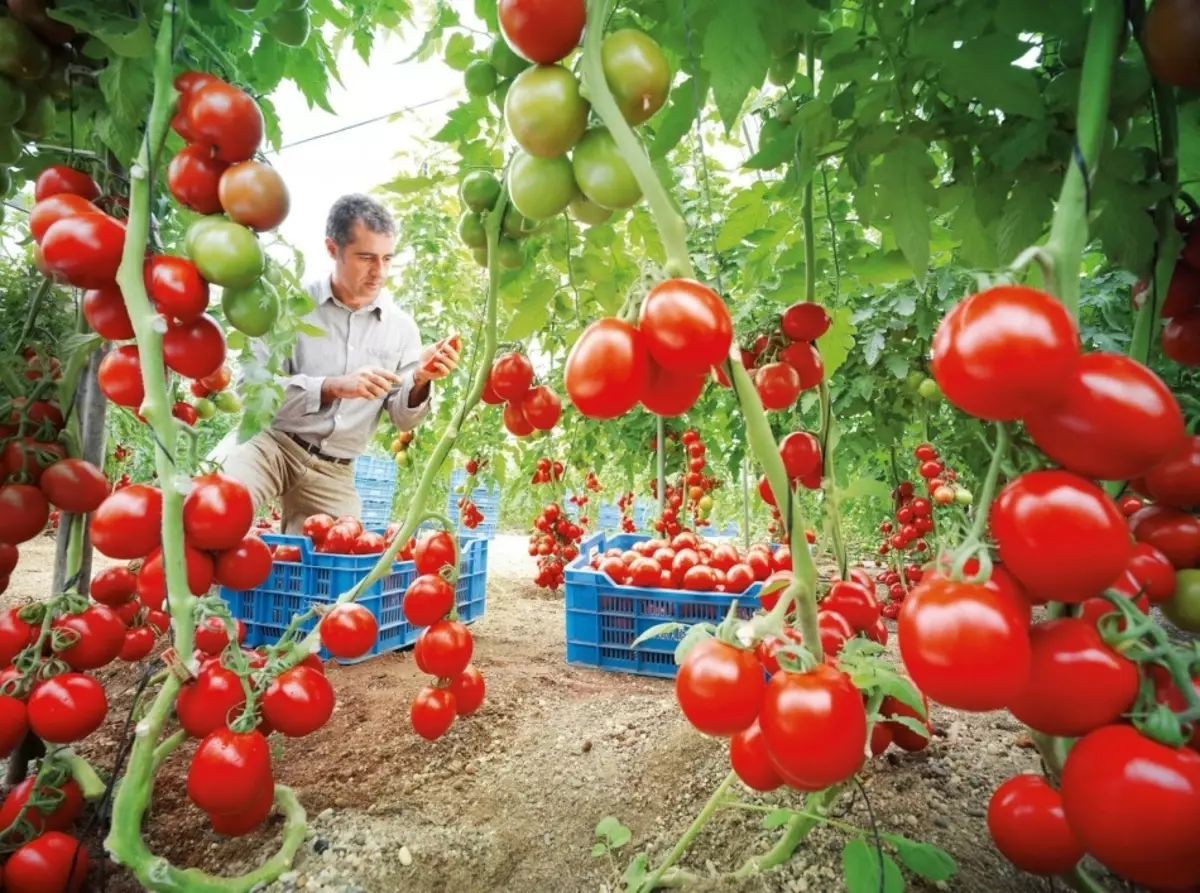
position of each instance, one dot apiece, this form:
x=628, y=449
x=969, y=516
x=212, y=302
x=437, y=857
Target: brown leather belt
x=313, y=451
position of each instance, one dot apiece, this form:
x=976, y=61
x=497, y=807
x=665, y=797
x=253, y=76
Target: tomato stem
x=1078, y=879
x=983, y=507
x=816, y=805
x=671, y=226
x=745, y=503
x=710, y=809
x=90, y=783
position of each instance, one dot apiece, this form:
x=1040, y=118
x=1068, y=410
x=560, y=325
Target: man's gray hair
x=349, y=208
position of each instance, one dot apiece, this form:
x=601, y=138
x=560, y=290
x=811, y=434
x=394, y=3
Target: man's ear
x=331, y=247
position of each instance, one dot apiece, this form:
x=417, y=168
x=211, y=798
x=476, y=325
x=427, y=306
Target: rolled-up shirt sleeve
x=301, y=393
x=403, y=416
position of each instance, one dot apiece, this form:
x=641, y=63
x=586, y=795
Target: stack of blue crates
x=487, y=500
x=375, y=481
x=609, y=516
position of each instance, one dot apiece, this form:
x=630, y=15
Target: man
x=368, y=360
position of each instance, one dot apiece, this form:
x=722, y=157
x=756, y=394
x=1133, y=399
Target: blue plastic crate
x=376, y=512
x=375, y=468
x=294, y=587
x=372, y=489
x=604, y=618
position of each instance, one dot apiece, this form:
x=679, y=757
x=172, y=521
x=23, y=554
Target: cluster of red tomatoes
x=898, y=583
x=694, y=484
x=469, y=512
x=1013, y=353
x=786, y=362
x=555, y=542
x=547, y=471
x=1181, y=308
x=444, y=648
x=526, y=408
x=686, y=561
x=625, y=505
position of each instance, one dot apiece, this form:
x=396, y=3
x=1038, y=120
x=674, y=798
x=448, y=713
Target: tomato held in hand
x=719, y=687
x=608, y=369
x=543, y=31
x=298, y=702
x=433, y=712
x=749, y=758
x=1025, y=818
x=686, y=326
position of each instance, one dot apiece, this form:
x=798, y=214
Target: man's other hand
x=368, y=383
x=437, y=362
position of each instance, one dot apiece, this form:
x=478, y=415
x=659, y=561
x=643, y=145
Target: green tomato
x=706, y=503
x=471, y=231
x=22, y=54
x=273, y=273
x=500, y=94
x=637, y=73
x=205, y=408
x=290, y=27
x=480, y=78
x=1183, y=608
x=507, y=63
x=540, y=188
x=228, y=254
x=929, y=389
x=481, y=256
x=601, y=172
x=772, y=128
x=785, y=110
x=227, y=401
x=545, y=112
x=252, y=309
x=402, y=458
x=479, y=191
x=514, y=225
x=1131, y=83
x=963, y=496
x=588, y=212
x=196, y=228
x=784, y=42
x=38, y=121
x=12, y=102
x=914, y=379
x=782, y=71
x=509, y=254
x=11, y=146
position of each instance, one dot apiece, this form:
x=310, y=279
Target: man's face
x=361, y=267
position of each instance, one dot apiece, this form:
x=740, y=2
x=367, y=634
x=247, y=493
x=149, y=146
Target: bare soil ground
x=509, y=799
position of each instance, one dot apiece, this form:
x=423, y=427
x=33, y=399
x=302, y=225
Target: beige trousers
x=273, y=466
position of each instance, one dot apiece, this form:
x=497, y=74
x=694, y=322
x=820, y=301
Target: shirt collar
x=327, y=295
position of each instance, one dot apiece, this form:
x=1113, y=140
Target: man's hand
x=437, y=361
x=368, y=383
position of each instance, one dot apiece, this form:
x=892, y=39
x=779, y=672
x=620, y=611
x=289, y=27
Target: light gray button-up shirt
x=380, y=334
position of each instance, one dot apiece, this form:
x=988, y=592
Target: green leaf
x=817, y=129
x=749, y=212
x=1124, y=228
x=1026, y=214
x=674, y=122
x=860, y=862
x=923, y=859
x=779, y=148
x=865, y=488
x=1059, y=19
x=128, y=87
x=444, y=17
x=697, y=633
x=403, y=185
x=736, y=55
x=460, y=51
x=599, y=849
x=983, y=70
x=1029, y=139
x=461, y=124
x=896, y=686
x=486, y=10
x=978, y=247
x=619, y=838
x=126, y=35
x=635, y=874
x=913, y=725
x=904, y=196
x=835, y=345
x=607, y=825
x=659, y=630
x=896, y=364
x=777, y=819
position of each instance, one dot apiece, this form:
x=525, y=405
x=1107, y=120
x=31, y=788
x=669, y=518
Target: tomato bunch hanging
x=527, y=407
x=555, y=542
x=785, y=362
x=1180, y=309
x=694, y=484
x=547, y=471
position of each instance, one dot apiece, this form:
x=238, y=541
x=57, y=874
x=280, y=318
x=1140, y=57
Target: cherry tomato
x=468, y=690
x=542, y=408
x=686, y=326
x=194, y=177
x=608, y=369
x=433, y=552
x=445, y=648
x=427, y=600
x=1026, y=820
x=749, y=758
x=719, y=687
x=59, y=178
x=1173, y=532
x=805, y=321
x=1153, y=571
x=801, y=454
x=104, y=310
x=120, y=376
x=433, y=712
x=806, y=360
x=511, y=376
x=229, y=771
x=515, y=421
x=195, y=349
x=67, y=708
x=543, y=31
x=298, y=702
x=218, y=512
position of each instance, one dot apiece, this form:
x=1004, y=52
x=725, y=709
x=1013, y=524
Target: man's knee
x=255, y=464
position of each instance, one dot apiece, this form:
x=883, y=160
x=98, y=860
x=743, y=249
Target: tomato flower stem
x=709, y=810
x=670, y=224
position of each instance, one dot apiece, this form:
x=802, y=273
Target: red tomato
x=515, y=421
x=854, y=602
x=801, y=454
x=1153, y=571
x=84, y=250
x=298, y=702
x=807, y=362
x=749, y=758
x=58, y=179
x=14, y=724
x=906, y=738
x=738, y=578
x=542, y=408
x=99, y=635
x=104, y=309
x=194, y=178
x=646, y=572
x=542, y=31
x=23, y=513
x=1134, y=805
x=445, y=648
x=152, y=582
x=54, y=861
x=687, y=327
x=195, y=349
x=719, y=687
x=75, y=485
x=669, y=393
x=112, y=586
x=137, y=644
x=209, y=702
x=608, y=369
x=759, y=563
x=616, y=570
x=700, y=578
x=243, y=821
x=468, y=690
x=814, y=726
x=226, y=120
x=511, y=376
x=1175, y=481
x=187, y=84
x=432, y=713
x=427, y=600
x=349, y=631
x=805, y=321
x=287, y=553
x=1025, y=818
x=835, y=630
x=229, y=771
x=245, y=566
x=1167, y=692
x=120, y=376
x=49, y=211
x=176, y=288
x=1005, y=353
x=1061, y=536
x=964, y=646
x=1173, y=532
x=212, y=635
x=1181, y=339
x=46, y=817
x=433, y=552
x=317, y=527
x=67, y=708
x=778, y=385
x=218, y=512
x=128, y=523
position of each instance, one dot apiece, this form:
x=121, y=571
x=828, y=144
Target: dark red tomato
x=75, y=485
x=778, y=385
x=835, y=630
x=1061, y=536
x=515, y=421
x=54, y=861
x=1153, y=571
x=317, y=527
x=433, y=552
x=99, y=635
x=489, y=396
x=298, y=702
x=112, y=586
x=59, y=817
x=287, y=553
x=1173, y=532
x=128, y=612
x=1006, y=352
x=195, y=349
x=229, y=770
x=209, y=702
x=212, y=634
x=738, y=578
x=854, y=602
x=14, y=723
x=1167, y=692
x=23, y=513
x=616, y=570
x=194, y=178
x=120, y=376
x=668, y=393
x=186, y=413
x=1181, y=339
x=176, y=288
x=1175, y=481
x=104, y=310
x=226, y=120
x=700, y=578
x=340, y=540
x=1134, y=805
x=433, y=712
x=543, y=31
x=67, y=708
x=814, y=726
x=801, y=454
x=243, y=821
x=719, y=687
x=805, y=321
x=58, y=179
x=1076, y=682
x=187, y=84
x=907, y=739
x=468, y=690
x=1026, y=820
x=646, y=572
x=542, y=408
x=159, y=621
x=760, y=563
x=879, y=631
x=1130, y=505
x=749, y=758
x=24, y=459
x=245, y=566
x=608, y=369
x=152, y=582
x=1117, y=421
x=49, y=211
x=964, y=646
x=687, y=327
x=881, y=738
x=8, y=559
x=511, y=376
x=427, y=600
x=806, y=360
x=137, y=644
x=860, y=576
x=218, y=512
x=445, y=648
x=84, y=250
